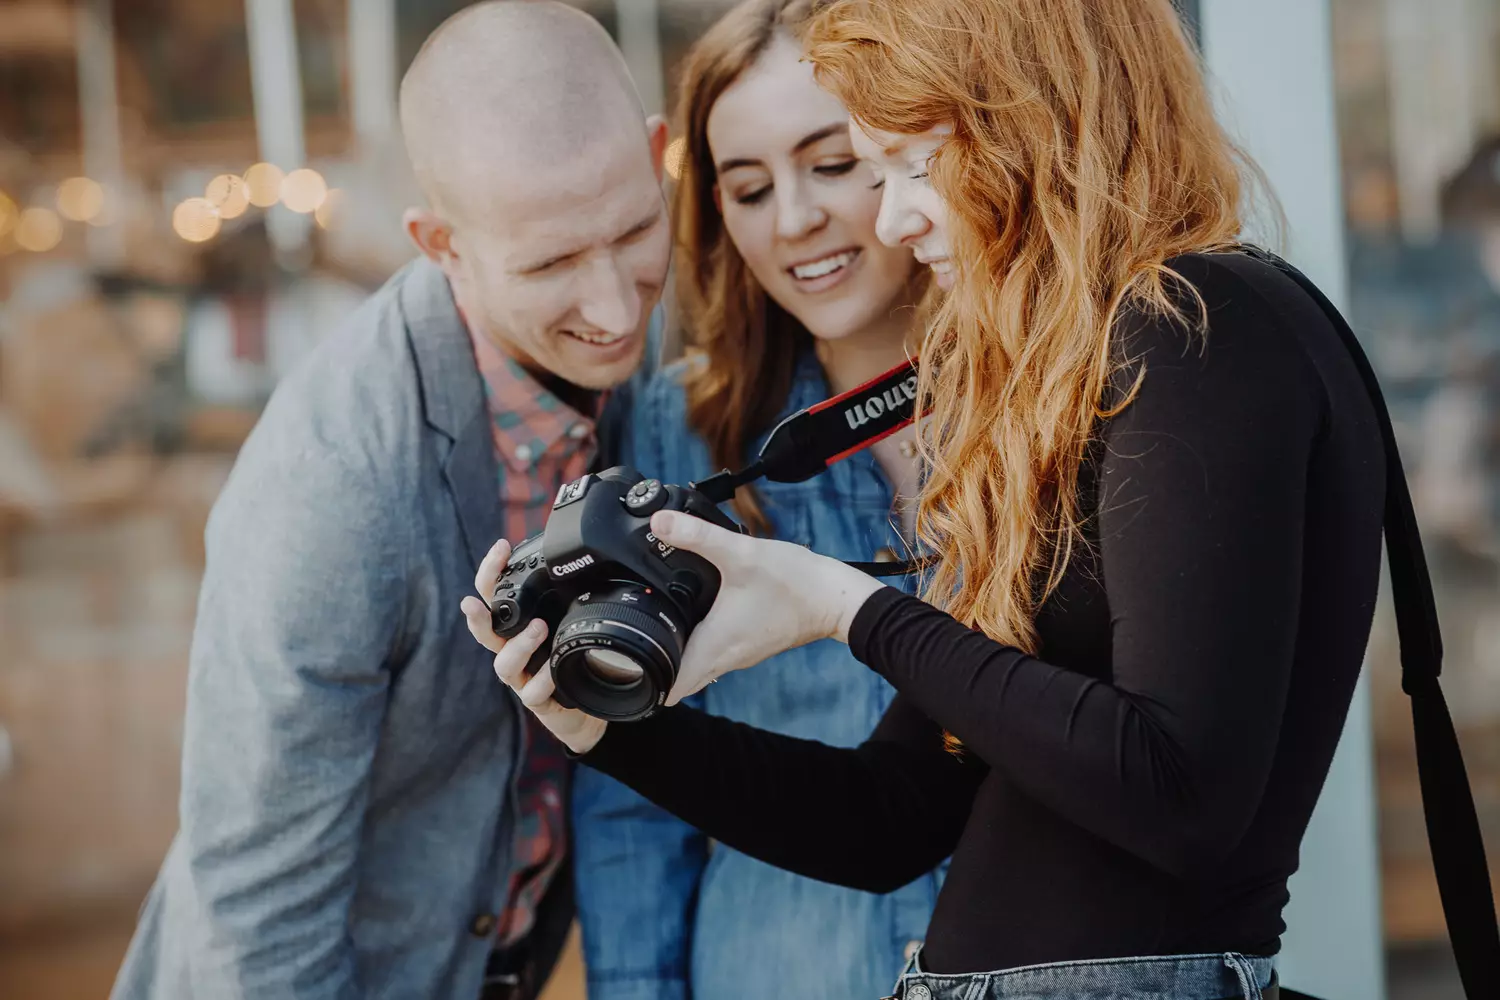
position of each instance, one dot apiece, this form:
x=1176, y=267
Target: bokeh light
x=8, y=213
x=80, y=199
x=263, y=182
x=196, y=220
x=675, y=154
x=329, y=212
x=229, y=194
x=303, y=190
x=38, y=230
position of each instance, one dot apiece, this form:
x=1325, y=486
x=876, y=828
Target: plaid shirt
x=540, y=443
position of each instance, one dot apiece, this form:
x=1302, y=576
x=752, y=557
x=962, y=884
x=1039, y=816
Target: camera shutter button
x=646, y=498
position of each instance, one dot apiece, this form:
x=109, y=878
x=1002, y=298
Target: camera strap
x=812, y=439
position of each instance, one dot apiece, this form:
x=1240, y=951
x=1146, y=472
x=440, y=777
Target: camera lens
x=617, y=651
x=611, y=667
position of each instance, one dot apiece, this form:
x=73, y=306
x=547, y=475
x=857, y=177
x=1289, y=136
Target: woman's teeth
x=826, y=266
x=599, y=339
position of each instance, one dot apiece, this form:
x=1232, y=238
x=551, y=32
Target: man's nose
x=611, y=302
x=898, y=222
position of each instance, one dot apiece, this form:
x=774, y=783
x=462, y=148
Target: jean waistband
x=1169, y=977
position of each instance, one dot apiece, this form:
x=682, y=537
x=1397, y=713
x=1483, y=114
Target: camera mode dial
x=646, y=497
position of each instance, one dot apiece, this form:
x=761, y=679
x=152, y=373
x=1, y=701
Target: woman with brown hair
x=1154, y=492
x=787, y=296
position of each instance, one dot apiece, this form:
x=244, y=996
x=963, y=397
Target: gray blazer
x=349, y=759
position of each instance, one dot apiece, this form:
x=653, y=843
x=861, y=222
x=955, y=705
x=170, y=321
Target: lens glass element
x=613, y=667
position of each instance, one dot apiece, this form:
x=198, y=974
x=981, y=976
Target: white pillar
x=1271, y=64
x=99, y=109
x=638, y=27
x=276, y=84
x=372, y=70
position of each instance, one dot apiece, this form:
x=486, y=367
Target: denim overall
x=1227, y=976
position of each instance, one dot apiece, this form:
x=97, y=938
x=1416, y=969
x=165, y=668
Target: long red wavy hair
x=1084, y=155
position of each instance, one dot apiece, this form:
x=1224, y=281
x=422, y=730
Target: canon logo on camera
x=879, y=405
x=573, y=566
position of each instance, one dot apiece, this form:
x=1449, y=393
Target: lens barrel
x=617, y=651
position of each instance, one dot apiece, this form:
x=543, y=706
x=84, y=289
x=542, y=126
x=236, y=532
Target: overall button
x=919, y=992
x=886, y=554
x=483, y=925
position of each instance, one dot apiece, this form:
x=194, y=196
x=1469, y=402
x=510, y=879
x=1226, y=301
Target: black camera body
x=618, y=602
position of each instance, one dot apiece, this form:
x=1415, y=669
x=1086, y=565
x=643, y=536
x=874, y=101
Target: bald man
x=364, y=811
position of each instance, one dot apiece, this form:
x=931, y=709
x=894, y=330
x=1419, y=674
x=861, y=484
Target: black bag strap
x=1458, y=856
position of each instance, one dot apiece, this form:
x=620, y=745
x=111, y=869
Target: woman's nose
x=899, y=222
x=797, y=213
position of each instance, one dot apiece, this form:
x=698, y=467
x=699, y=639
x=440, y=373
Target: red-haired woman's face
x=912, y=215
x=797, y=204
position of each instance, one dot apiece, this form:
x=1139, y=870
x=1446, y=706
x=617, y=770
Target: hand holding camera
x=611, y=612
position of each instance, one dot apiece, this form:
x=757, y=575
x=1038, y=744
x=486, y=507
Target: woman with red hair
x=1153, y=494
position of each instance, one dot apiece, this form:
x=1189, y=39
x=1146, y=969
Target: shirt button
x=910, y=951
x=483, y=925
x=886, y=554
x=578, y=431
x=523, y=452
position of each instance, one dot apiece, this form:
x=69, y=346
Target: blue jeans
x=1177, y=977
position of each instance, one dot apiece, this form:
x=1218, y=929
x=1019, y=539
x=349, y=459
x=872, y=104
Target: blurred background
x=191, y=193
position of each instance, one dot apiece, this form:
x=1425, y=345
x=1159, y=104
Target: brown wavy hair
x=743, y=345
x=1084, y=154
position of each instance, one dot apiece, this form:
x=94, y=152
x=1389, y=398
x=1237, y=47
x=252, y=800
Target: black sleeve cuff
x=870, y=623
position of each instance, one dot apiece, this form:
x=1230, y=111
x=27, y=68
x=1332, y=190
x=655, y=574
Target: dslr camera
x=618, y=602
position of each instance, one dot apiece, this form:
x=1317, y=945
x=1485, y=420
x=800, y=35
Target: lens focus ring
x=597, y=639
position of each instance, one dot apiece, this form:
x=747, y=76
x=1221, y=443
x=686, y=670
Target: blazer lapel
x=453, y=400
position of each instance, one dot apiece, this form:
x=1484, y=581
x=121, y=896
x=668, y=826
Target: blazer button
x=886, y=554
x=483, y=925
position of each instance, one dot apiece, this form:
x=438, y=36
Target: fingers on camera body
x=490, y=568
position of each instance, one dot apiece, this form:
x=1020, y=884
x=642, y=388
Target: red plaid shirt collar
x=528, y=420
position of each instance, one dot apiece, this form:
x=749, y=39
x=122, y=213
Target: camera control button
x=646, y=497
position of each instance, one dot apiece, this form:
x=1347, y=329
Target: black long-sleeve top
x=1141, y=785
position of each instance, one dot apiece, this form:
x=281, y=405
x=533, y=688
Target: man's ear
x=656, y=132
x=432, y=235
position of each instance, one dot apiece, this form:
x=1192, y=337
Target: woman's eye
x=836, y=169
x=920, y=177
x=753, y=197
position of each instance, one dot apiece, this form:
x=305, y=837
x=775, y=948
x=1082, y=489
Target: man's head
x=543, y=185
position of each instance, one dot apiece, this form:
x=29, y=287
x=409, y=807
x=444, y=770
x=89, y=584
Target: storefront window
x=1418, y=91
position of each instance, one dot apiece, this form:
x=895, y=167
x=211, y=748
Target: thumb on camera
x=693, y=534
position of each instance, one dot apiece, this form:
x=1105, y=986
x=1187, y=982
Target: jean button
x=919, y=992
